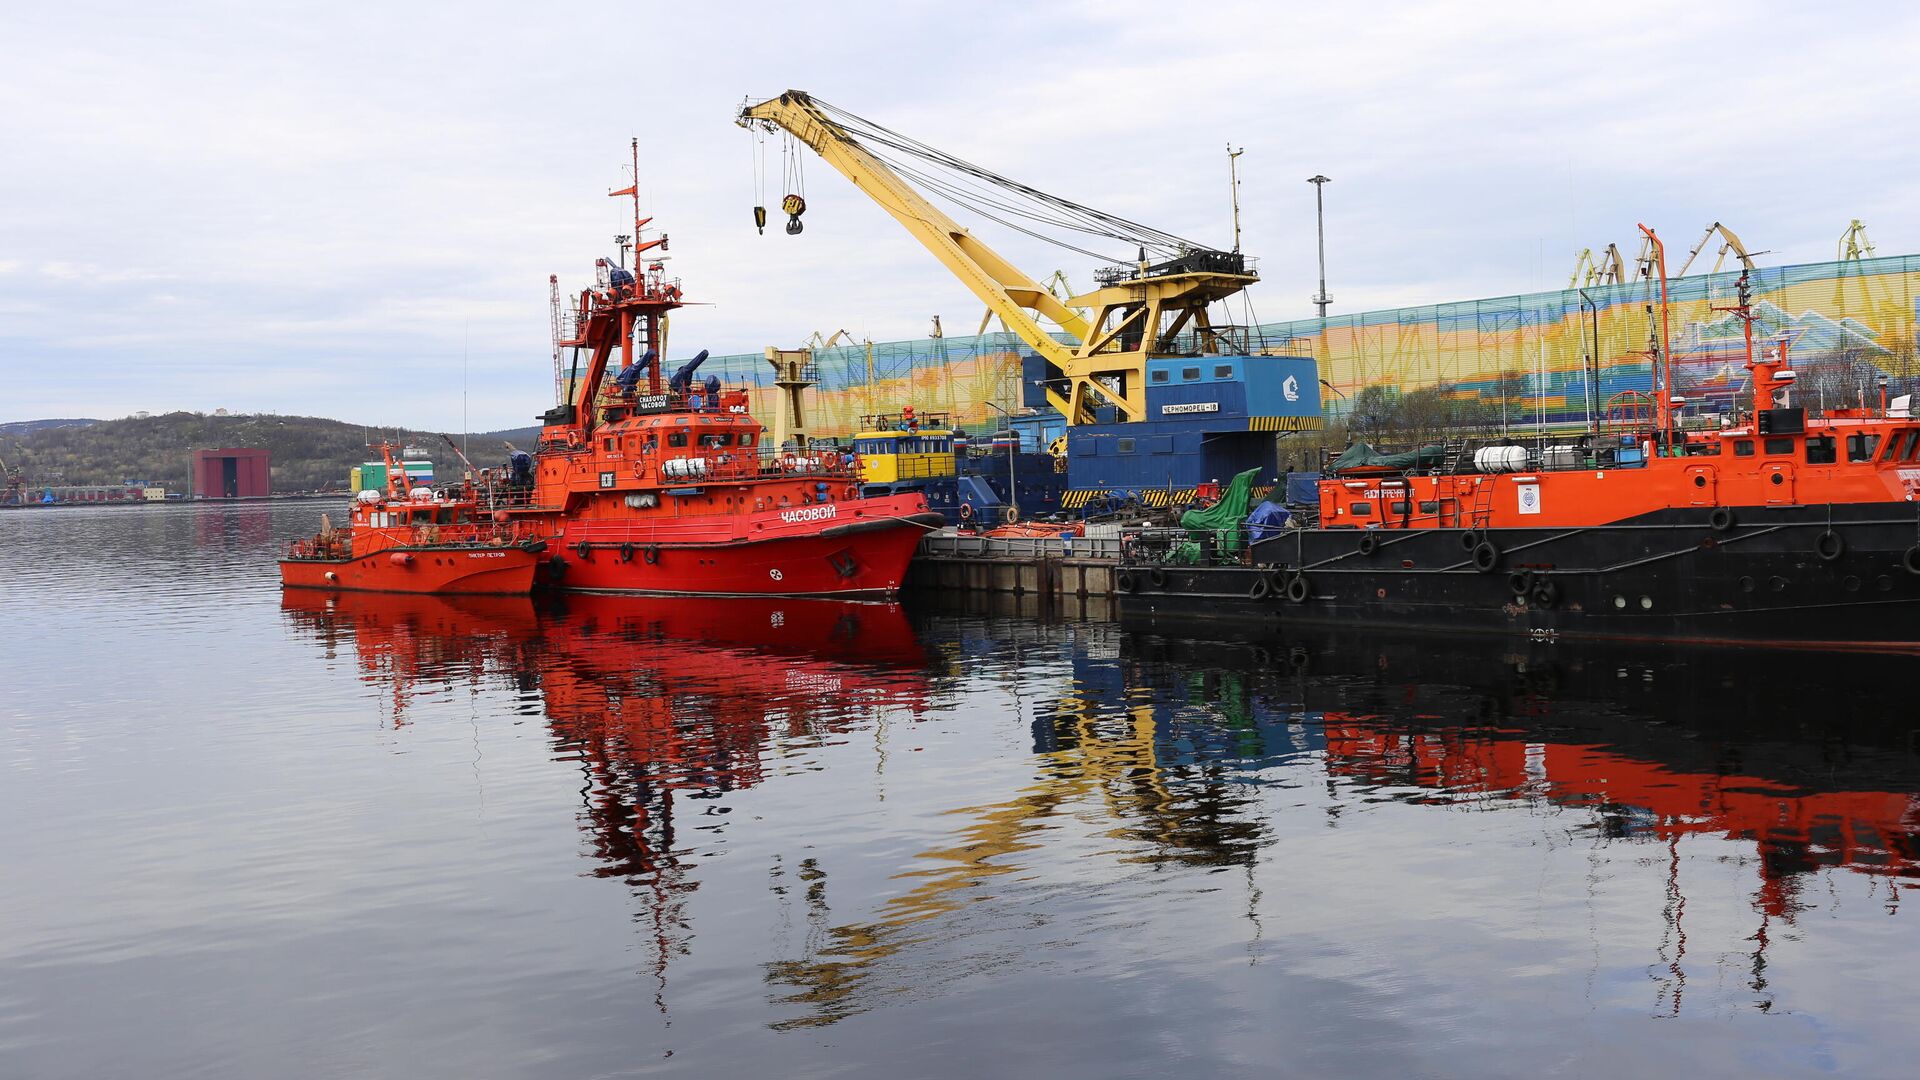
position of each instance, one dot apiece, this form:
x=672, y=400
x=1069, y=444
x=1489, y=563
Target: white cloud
x=223, y=201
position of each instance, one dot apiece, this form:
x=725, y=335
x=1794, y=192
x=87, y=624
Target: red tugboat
x=416, y=542
x=652, y=484
x=1784, y=525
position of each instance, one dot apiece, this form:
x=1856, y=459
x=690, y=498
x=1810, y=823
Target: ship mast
x=1663, y=370
x=623, y=309
x=653, y=319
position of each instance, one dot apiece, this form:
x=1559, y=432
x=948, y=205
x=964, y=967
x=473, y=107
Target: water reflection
x=661, y=702
x=1200, y=764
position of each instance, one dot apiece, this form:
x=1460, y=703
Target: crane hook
x=760, y=219
x=794, y=205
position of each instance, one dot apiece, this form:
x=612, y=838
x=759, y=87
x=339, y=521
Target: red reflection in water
x=1870, y=832
x=657, y=699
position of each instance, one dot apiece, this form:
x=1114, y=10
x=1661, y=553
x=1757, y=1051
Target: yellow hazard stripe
x=1285, y=423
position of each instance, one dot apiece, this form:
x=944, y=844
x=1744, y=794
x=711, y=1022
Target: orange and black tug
x=1784, y=526
x=418, y=541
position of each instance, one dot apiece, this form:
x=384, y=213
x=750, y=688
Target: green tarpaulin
x=1364, y=456
x=1223, y=518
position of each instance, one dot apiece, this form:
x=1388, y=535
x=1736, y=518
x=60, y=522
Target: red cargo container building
x=231, y=474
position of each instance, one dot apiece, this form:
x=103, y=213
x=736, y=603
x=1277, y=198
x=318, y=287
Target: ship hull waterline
x=490, y=571
x=1839, y=577
x=858, y=561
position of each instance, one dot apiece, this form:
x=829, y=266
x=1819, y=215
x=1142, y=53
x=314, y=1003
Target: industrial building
x=232, y=474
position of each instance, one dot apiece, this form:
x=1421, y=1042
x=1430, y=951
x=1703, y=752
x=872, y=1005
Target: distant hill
x=309, y=453
x=21, y=427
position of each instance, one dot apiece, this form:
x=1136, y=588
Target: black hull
x=1839, y=577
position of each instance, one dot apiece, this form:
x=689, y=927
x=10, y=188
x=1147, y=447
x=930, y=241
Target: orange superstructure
x=649, y=483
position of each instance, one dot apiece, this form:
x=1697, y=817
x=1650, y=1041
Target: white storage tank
x=1500, y=459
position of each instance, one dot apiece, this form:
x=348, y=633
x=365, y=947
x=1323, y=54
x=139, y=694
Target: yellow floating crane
x=1139, y=309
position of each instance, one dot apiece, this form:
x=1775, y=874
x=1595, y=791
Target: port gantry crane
x=1139, y=311
x=1732, y=243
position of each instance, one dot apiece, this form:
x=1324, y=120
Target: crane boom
x=1107, y=362
x=1732, y=243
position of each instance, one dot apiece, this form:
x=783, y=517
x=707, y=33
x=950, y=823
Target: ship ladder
x=1480, y=514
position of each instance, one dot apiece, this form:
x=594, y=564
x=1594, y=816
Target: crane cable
x=973, y=187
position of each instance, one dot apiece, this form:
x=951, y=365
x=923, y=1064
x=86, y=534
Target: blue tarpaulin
x=1303, y=489
x=1267, y=520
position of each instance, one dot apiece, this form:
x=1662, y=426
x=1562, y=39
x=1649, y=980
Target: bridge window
x=1903, y=444
x=1158, y=376
x=1191, y=374
x=678, y=438
x=1223, y=371
x=1820, y=449
x=715, y=441
x=1860, y=447
x=1776, y=447
x=746, y=438
x=1743, y=448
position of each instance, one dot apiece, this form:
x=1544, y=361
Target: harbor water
x=248, y=835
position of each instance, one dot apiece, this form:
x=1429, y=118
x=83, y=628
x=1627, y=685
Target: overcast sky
x=334, y=209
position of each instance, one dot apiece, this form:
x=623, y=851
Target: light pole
x=1320, y=219
x=1342, y=397
x=1013, y=488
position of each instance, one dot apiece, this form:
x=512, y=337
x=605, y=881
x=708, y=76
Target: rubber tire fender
x=1486, y=557
x=1721, y=519
x=1910, y=560
x=1158, y=577
x=1521, y=582
x=583, y=550
x=1369, y=543
x=1830, y=546
x=626, y=551
x=1124, y=581
x=1299, y=589
x=652, y=554
x=1469, y=540
x=1546, y=593
x=1260, y=589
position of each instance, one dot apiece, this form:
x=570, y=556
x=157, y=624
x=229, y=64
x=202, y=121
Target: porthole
x=1777, y=584
x=1620, y=601
x=1850, y=583
x=1646, y=603
x=1746, y=584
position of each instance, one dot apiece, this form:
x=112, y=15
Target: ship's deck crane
x=1732, y=243
x=1139, y=311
